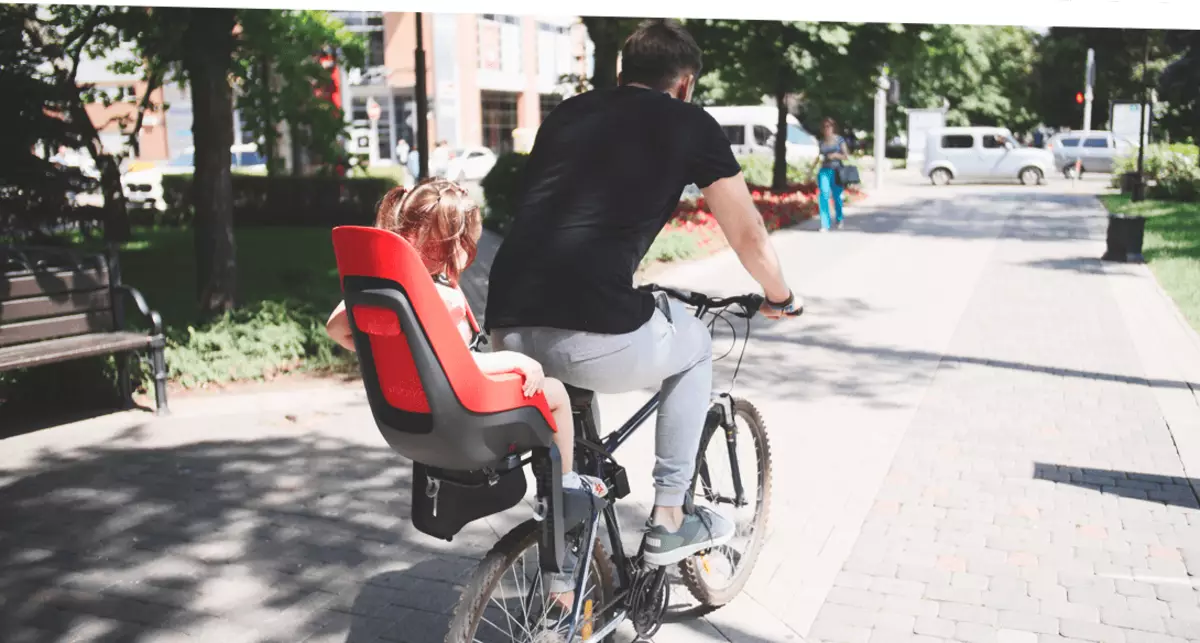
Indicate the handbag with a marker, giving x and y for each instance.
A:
(847, 175)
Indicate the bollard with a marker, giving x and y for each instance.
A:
(1125, 236)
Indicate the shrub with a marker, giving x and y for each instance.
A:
(502, 191)
(759, 170)
(1172, 168)
(284, 200)
(251, 343)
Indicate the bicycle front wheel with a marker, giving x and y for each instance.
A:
(739, 453)
(506, 600)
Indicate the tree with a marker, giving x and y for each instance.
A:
(207, 48)
(607, 36)
(1179, 86)
(1062, 57)
(981, 72)
(276, 68)
(829, 67)
(33, 190)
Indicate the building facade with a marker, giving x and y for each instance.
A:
(486, 75)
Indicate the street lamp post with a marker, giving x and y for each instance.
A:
(422, 106)
(881, 88)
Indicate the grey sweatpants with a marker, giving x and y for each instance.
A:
(674, 356)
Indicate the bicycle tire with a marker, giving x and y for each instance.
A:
(473, 601)
(692, 569)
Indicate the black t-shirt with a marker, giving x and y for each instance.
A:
(605, 174)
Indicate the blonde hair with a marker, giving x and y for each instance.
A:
(440, 220)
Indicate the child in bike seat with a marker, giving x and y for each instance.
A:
(439, 219)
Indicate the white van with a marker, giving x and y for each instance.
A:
(983, 154)
(751, 130)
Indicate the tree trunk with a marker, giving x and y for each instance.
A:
(270, 131)
(208, 50)
(116, 215)
(606, 36)
(779, 180)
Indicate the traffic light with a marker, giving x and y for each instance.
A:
(1079, 97)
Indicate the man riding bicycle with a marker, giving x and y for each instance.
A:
(605, 175)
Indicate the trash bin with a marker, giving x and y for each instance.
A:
(1125, 235)
(1128, 181)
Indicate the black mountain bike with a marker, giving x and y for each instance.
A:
(506, 600)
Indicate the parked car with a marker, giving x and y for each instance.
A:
(751, 130)
(1095, 150)
(470, 164)
(983, 154)
(143, 187)
(142, 183)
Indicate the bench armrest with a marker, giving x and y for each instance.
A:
(155, 319)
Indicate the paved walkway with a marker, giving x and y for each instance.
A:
(971, 444)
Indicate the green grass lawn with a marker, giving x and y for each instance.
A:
(273, 264)
(1171, 248)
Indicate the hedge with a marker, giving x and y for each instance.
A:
(281, 201)
(1172, 170)
(502, 185)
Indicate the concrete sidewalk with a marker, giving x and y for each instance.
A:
(980, 433)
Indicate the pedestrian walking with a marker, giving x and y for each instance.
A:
(833, 151)
(439, 159)
(414, 168)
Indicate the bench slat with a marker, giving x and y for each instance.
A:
(54, 282)
(96, 321)
(69, 348)
(53, 306)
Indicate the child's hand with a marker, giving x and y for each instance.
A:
(531, 370)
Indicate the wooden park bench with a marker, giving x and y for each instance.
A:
(57, 305)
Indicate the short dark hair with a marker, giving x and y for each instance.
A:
(658, 53)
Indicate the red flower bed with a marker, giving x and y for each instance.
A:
(781, 210)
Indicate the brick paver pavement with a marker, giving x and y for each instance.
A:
(966, 448)
(1038, 495)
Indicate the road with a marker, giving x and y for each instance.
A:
(980, 433)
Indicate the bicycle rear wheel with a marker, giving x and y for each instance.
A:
(506, 601)
(716, 577)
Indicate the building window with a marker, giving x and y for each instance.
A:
(368, 24)
(358, 111)
(499, 43)
(547, 104)
(499, 111)
(375, 48)
(554, 50)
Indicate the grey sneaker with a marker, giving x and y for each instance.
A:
(703, 529)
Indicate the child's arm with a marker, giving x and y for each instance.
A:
(338, 327)
(512, 362)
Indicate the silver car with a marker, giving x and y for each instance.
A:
(1094, 150)
(982, 154)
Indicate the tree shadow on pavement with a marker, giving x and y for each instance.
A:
(263, 540)
(1167, 490)
(1036, 217)
(881, 356)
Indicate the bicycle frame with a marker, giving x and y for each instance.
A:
(593, 451)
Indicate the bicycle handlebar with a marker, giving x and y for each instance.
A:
(750, 303)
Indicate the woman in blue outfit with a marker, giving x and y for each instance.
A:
(833, 152)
